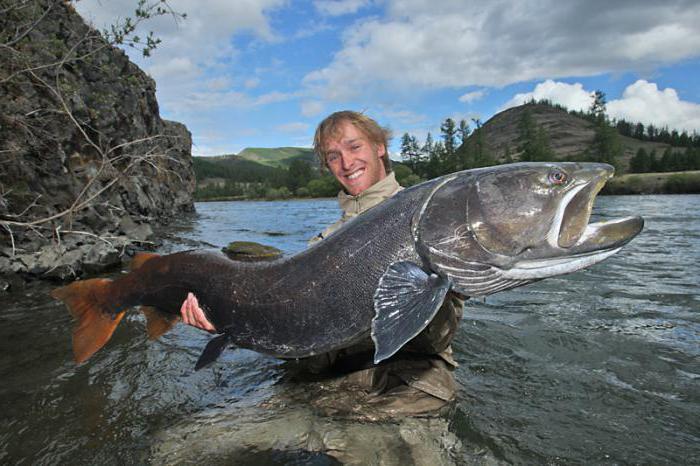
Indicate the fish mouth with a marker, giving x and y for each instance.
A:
(576, 243)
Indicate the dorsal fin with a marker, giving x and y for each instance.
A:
(157, 321)
(141, 258)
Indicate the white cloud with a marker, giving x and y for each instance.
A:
(571, 96)
(219, 83)
(472, 96)
(339, 7)
(644, 102)
(403, 117)
(191, 48)
(311, 108)
(209, 100)
(641, 102)
(427, 44)
(294, 127)
(179, 68)
(251, 83)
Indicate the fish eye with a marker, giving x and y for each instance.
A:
(558, 177)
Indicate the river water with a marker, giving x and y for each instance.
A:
(598, 367)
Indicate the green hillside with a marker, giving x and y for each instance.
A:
(279, 157)
(267, 173)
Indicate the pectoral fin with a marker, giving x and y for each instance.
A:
(405, 302)
(213, 350)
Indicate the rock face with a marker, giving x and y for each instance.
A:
(83, 150)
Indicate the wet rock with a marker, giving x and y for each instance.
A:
(68, 260)
(251, 251)
(135, 231)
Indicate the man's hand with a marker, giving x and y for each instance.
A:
(193, 315)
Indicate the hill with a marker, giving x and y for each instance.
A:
(276, 157)
(569, 136)
(279, 157)
(251, 165)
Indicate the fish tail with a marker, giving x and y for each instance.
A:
(89, 303)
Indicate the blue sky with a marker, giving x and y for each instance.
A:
(262, 73)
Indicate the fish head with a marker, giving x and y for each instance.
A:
(500, 227)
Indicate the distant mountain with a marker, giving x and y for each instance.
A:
(569, 135)
(279, 157)
(252, 163)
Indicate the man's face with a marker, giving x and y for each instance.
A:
(354, 161)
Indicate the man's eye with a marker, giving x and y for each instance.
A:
(331, 157)
(357, 147)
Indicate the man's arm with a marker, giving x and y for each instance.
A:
(193, 315)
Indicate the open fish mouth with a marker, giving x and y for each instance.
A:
(579, 244)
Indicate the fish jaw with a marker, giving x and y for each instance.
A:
(598, 242)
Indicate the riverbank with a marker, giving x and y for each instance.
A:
(243, 198)
(687, 182)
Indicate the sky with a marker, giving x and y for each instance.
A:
(263, 73)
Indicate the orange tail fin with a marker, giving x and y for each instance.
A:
(86, 300)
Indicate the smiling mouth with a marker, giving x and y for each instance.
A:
(356, 174)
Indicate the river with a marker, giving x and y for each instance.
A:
(598, 367)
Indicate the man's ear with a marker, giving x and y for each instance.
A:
(381, 150)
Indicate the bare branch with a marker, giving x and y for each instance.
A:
(30, 28)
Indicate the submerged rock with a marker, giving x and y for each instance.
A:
(250, 251)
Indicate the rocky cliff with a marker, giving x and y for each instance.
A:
(87, 165)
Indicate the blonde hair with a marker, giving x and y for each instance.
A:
(329, 129)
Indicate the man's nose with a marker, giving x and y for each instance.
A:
(346, 160)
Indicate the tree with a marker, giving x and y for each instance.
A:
(449, 136)
(299, 174)
(534, 141)
(463, 131)
(410, 150)
(640, 162)
(607, 147)
(597, 109)
(428, 146)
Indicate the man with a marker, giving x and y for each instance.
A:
(418, 379)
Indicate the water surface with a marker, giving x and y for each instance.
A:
(598, 367)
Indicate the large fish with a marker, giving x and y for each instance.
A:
(384, 274)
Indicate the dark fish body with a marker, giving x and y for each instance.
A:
(315, 301)
(384, 274)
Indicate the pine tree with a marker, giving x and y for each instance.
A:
(463, 131)
(640, 162)
(607, 147)
(598, 107)
(428, 146)
(448, 160)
